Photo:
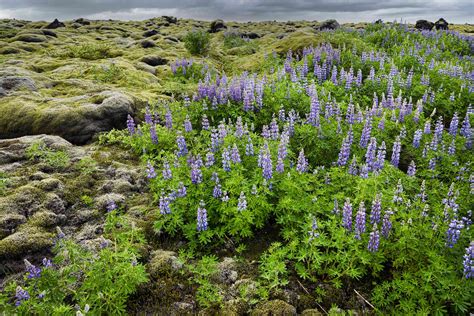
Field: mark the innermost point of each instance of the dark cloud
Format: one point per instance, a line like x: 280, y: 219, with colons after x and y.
x: 461, y: 11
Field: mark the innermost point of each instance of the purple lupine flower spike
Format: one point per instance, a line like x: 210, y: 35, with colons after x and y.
x: 347, y: 215
x: 468, y: 262
x: 360, y: 221
x: 374, y: 239
x: 201, y: 217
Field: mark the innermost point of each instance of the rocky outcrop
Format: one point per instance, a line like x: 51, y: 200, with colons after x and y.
x: 424, y: 25
x: 329, y: 25
x: 154, y: 60
x: 441, y: 24
x: 77, y: 121
x: 217, y: 25
x: 11, y: 83
x: 55, y: 24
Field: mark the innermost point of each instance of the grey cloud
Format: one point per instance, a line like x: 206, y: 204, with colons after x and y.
x: 242, y: 10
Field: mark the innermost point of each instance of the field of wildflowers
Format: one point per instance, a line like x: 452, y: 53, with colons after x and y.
x: 356, y: 160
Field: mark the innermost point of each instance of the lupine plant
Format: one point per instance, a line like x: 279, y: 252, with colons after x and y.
x: 373, y: 127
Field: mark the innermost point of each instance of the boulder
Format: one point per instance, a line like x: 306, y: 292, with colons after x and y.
x: 14, y: 149
x: 441, y: 24
x: 147, y: 44
x: 76, y: 121
x: 170, y: 19
x: 424, y: 25
x: 217, y: 25
x: 82, y: 21
x: 147, y: 68
x: 54, y: 25
x: 12, y: 83
x: 27, y: 240
x: 49, y: 33
x: 150, y: 33
x: 154, y: 60
x: 30, y: 38
x: 379, y: 21
x: 329, y: 25
x: 251, y: 35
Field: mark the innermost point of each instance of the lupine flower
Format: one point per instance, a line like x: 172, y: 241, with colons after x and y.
x: 411, y: 169
x: 370, y: 154
x: 466, y: 127
x: 364, y: 171
x: 130, y: 125
x: 313, y: 232
x: 201, y: 217
x: 205, y: 122
x: 209, y: 159
x: 225, y: 197
x: 454, y: 232
x: 167, y: 175
x: 153, y: 135
x: 168, y: 119
x: 417, y: 138
x: 376, y: 209
x: 453, y: 127
x: 266, y: 162
x: 280, y: 167
x: 196, y: 174
x: 242, y: 204
x: 249, y: 147
x: 344, y: 153
x: 468, y: 262
x: 353, y: 166
x: 235, y: 155
x: 164, y: 204
x: 422, y: 194
x: 364, y: 138
x: 397, y: 146
x: 387, y: 223
x: 347, y: 215
x: 47, y: 263
x: 374, y: 239
x: 217, y: 192
x: 21, y: 295
x: 335, y: 209
x: 432, y: 164
x: 111, y: 206
x: 380, y: 157
x: 302, y: 165
x: 182, y: 148
x: 33, y: 271
x: 452, y: 147
x: 104, y: 243
x: 226, y: 159
x: 397, y: 198
x: 214, y: 140
x: 360, y: 221
x: 381, y: 125
x: 59, y: 233
x: 181, y: 192
x: 150, y: 171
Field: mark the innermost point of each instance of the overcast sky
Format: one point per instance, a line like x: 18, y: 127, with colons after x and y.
x: 460, y: 11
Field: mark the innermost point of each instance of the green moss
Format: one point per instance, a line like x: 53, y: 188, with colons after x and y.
x: 28, y: 239
x: 274, y: 308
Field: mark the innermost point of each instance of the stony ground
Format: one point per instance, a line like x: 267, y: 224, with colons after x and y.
x: 65, y: 86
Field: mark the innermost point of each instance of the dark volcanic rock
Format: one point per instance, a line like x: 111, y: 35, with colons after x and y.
x: 170, y: 19
x: 147, y: 44
x: 82, y: 21
x: 49, y: 33
x: 217, y: 25
x: 154, y: 60
x: 424, y: 25
x: 12, y: 83
x: 54, y: 25
x: 150, y: 33
x: 329, y: 25
x: 379, y: 21
x: 441, y: 24
x: 251, y: 35
x: 31, y: 38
